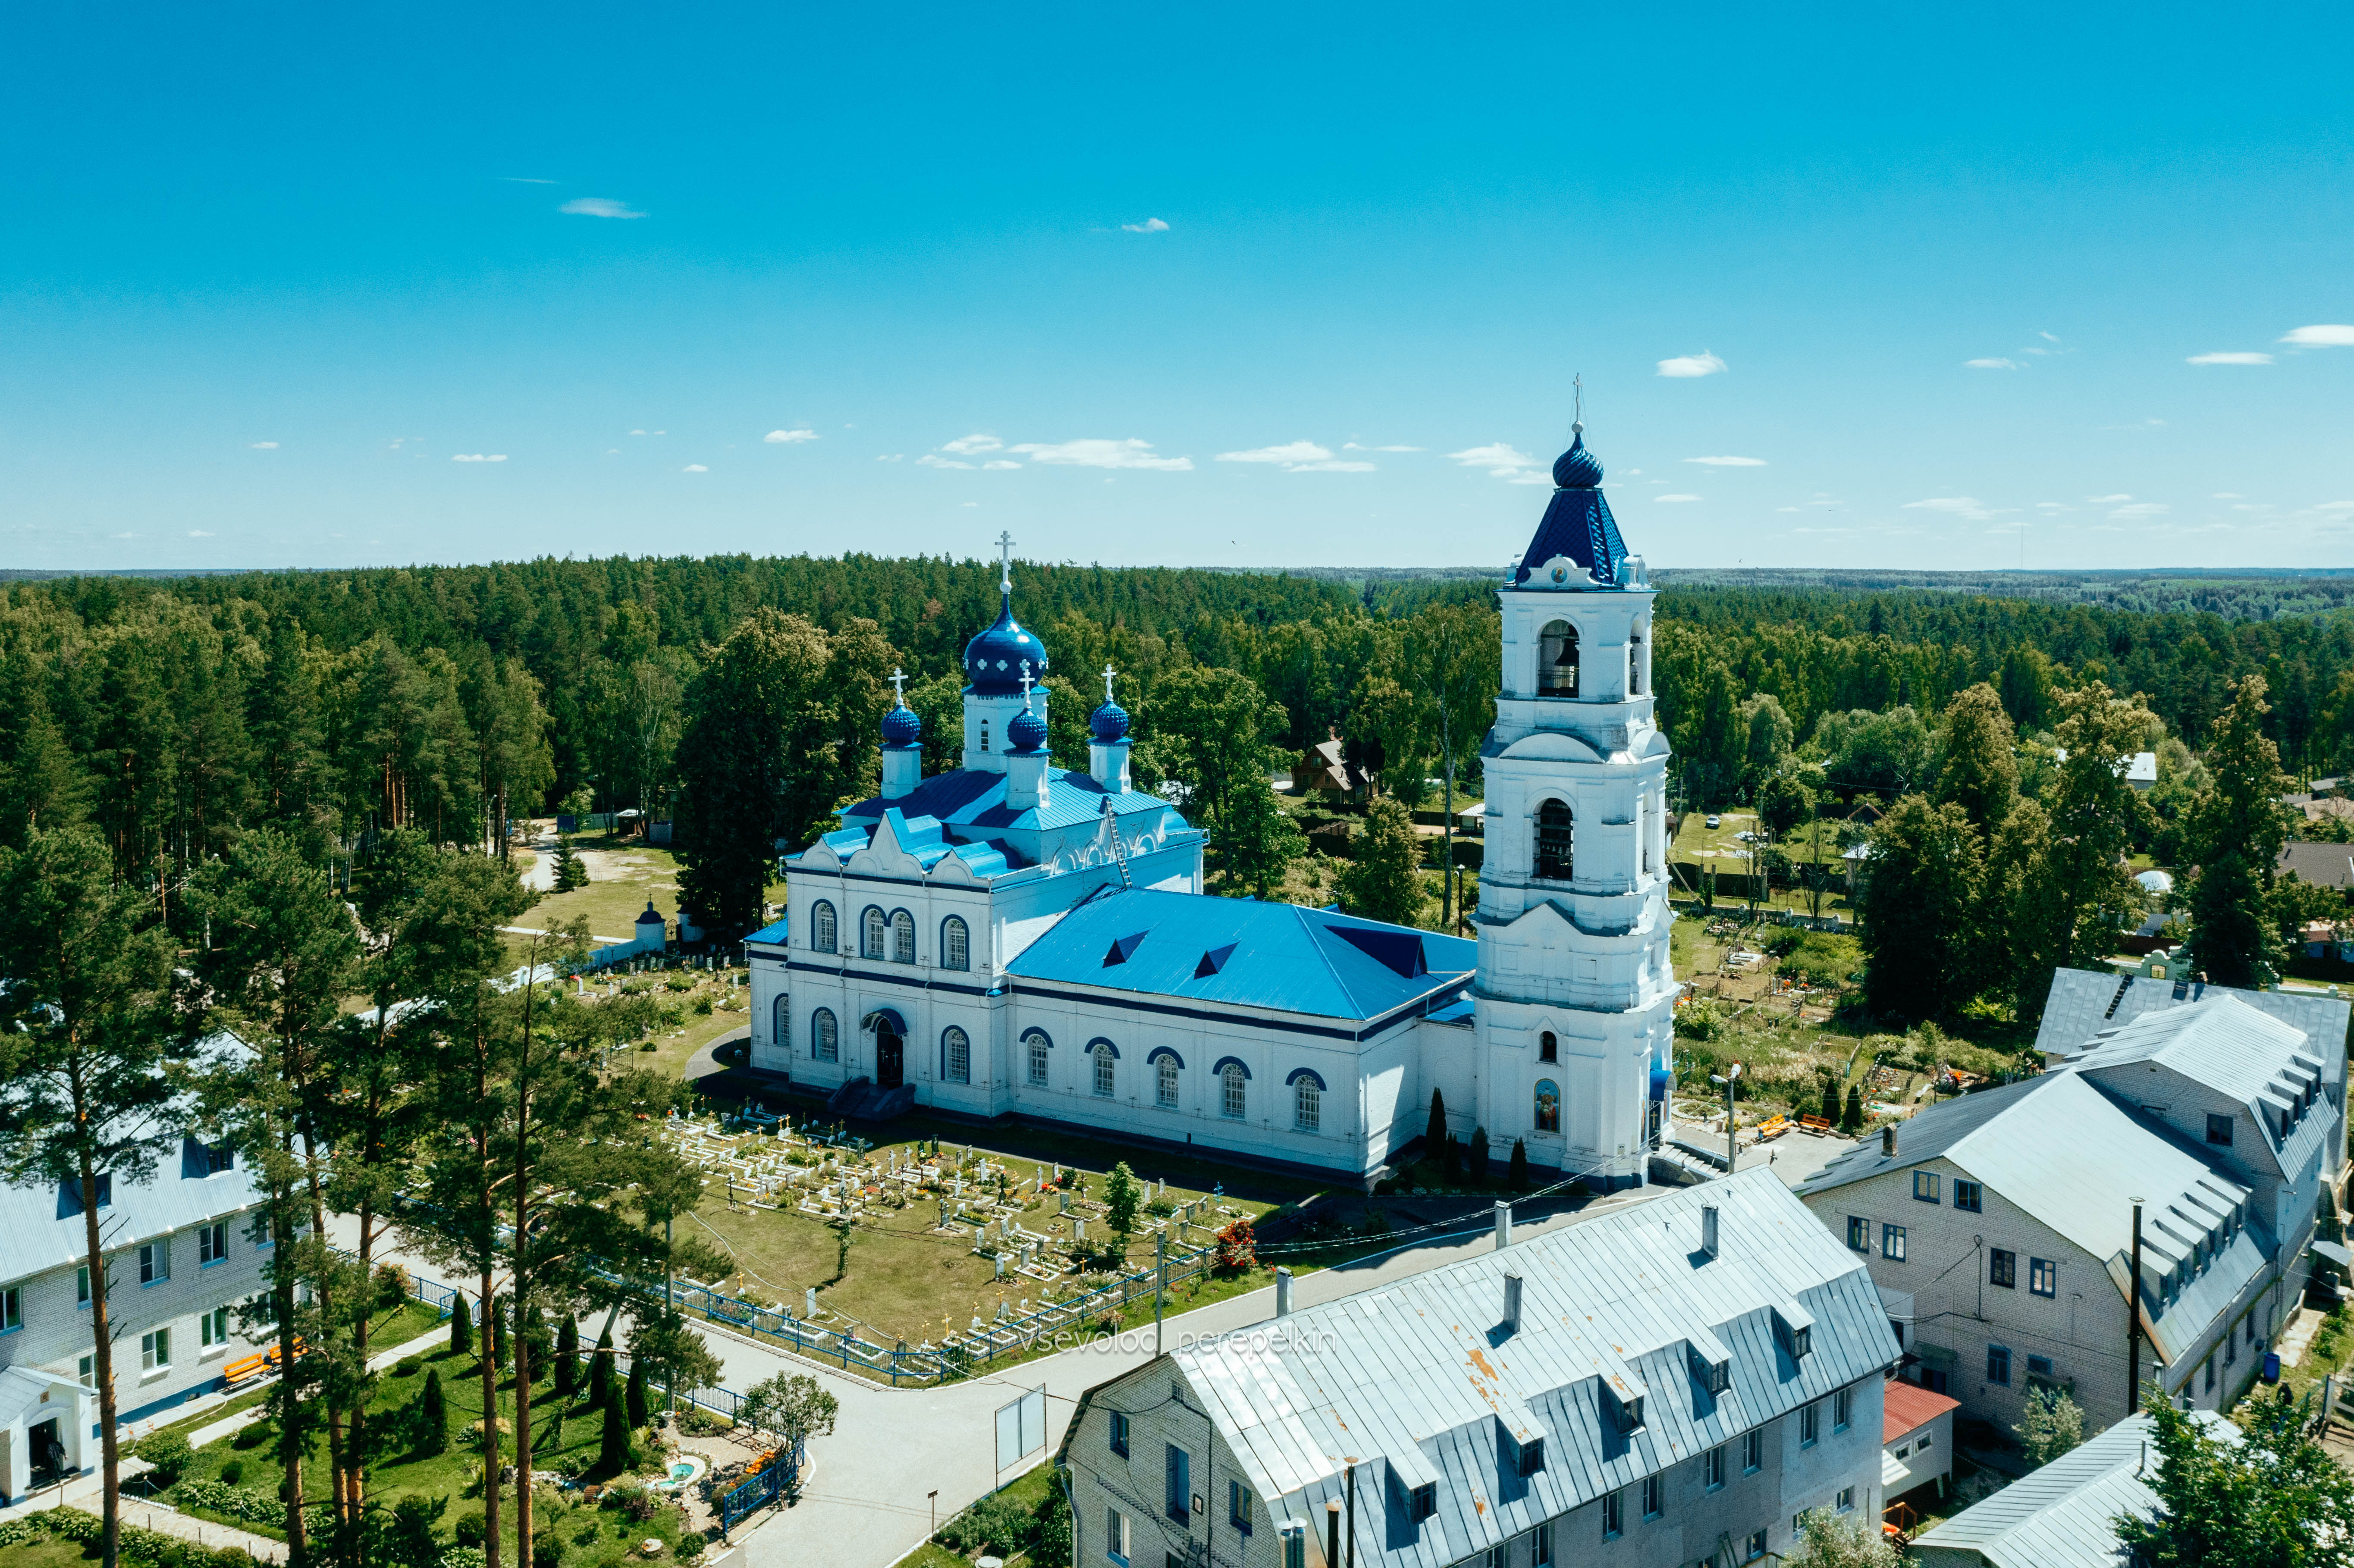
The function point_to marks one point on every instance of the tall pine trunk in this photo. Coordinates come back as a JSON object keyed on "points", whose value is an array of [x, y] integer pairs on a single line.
{"points": [[101, 1360], [290, 1425], [484, 1342]]}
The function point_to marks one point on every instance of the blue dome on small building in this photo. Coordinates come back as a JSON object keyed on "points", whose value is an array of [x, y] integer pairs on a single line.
{"points": [[903, 726], [993, 661], [1108, 723], [1577, 469], [1027, 731]]}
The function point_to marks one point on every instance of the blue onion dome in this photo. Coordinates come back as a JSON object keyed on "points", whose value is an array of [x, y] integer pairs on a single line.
{"points": [[1108, 723], [903, 726], [1577, 469], [1027, 731], [993, 661]]}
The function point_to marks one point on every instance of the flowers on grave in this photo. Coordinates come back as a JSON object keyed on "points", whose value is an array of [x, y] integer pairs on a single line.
{"points": [[1237, 1247]]}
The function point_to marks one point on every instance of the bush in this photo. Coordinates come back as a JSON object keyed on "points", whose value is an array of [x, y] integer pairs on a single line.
{"points": [[169, 1451], [239, 1504], [997, 1520], [702, 1005], [690, 1546], [545, 1552], [468, 1529], [430, 1429], [408, 1366], [1698, 1021], [463, 1557], [232, 1473]]}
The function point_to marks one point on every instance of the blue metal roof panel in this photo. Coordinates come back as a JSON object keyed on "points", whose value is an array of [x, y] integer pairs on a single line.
{"points": [[774, 934], [1286, 958]]}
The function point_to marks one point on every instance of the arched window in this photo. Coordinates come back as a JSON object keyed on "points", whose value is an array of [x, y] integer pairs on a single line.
{"points": [[1556, 842], [903, 937], [1165, 1082], [1548, 1048], [1557, 660], [956, 944], [1307, 1105], [1548, 1106], [872, 946], [1105, 1059], [984, 735], [821, 938], [1232, 1091], [956, 1056], [1038, 1047], [825, 1036], [784, 1024], [1635, 665]]}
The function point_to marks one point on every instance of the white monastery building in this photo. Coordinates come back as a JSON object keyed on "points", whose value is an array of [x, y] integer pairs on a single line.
{"points": [[1013, 938]]}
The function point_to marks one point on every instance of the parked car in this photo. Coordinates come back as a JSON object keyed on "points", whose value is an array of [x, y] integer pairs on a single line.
{"points": [[1715, 822]]}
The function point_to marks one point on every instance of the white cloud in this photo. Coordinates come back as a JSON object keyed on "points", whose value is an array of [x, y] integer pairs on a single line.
{"points": [[2139, 509], [1723, 462], [890, 457], [2321, 337], [264, 445], [1967, 506], [1687, 365], [1298, 457], [1499, 458], [1149, 225], [968, 503], [933, 460], [525, 180], [2108, 500], [1099, 454], [479, 457], [199, 534], [1786, 509], [2046, 336], [789, 437], [1529, 476], [1675, 498], [599, 206], [2053, 506], [1996, 364], [694, 468], [2229, 359], [995, 463], [2336, 506], [968, 445], [1354, 447], [637, 432]]}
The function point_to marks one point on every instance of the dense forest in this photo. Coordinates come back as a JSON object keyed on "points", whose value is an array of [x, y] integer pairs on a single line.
{"points": [[174, 713]]}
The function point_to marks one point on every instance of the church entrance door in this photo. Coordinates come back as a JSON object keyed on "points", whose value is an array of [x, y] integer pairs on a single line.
{"points": [[890, 1058]]}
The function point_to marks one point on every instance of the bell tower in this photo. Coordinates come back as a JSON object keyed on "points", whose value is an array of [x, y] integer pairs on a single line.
{"points": [[1575, 995]]}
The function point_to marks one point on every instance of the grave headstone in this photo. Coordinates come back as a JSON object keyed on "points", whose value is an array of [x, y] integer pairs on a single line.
{"points": [[809, 1302]]}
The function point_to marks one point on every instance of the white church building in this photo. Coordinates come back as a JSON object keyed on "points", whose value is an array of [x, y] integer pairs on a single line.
{"points": [[1009, 938]]}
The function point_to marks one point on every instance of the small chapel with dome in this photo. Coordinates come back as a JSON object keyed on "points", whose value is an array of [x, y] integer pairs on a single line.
{"points": [[1011, 938]]}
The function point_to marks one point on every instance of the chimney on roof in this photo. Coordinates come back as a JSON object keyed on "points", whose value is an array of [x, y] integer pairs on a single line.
{"points": [[1888, 1140], [1283, 1293], [1708, 1237], [1513, 1302]]}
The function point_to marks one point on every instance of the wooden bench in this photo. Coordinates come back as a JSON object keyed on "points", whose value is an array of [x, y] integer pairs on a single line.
{"points": [[1815, 1124], [246, 1367], [1773, 1128]]}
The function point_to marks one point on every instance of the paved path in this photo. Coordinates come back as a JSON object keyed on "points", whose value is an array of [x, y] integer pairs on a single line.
{"points": [[867, 1503]]}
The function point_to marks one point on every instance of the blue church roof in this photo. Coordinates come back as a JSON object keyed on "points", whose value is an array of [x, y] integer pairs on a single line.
{"points": [[773, 934], [993, 661], [964, 813], [1577, 524], [1282, 956]]}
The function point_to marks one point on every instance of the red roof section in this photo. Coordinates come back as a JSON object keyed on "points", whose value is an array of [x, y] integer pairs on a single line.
{"points": [[1909, 1407]]}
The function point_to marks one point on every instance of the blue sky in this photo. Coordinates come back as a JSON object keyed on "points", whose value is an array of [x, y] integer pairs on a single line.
{"points": [[1214, 285]]}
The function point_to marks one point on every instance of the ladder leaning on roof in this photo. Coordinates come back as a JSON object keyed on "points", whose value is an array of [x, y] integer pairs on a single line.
{"points": [[1119, 849]]}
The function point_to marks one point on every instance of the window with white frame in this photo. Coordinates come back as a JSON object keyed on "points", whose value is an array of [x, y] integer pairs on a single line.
{"points": [[782, 1023], [956, 944], [1843, 1406], [821, 934], [870, 945], [1307, 1105], [1754, 1547], [1613, 1516], [212, 1327], [1811, 1424], [1753, 1451], [212, 1243], [12, 1309], [1655, 1497], [1105, 1063], [956, 1055], [155, 1351], [1847, 1499], [1164, 1081], [825, 1035], [1231, 1079], [1116, 1541], [1039, 1049], [154, 1262], [903, 937], [1541, 1546], [1712, 1468]]}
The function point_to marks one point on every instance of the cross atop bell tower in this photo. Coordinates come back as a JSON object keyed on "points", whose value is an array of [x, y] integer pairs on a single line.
{"points": [[1005, 562]]}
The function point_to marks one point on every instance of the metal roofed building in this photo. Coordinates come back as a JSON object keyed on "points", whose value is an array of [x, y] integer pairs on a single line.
{"points": [[1676, 1380], [181, 1257], [1014, 937], [2062, 1515], [1998, 1226]]}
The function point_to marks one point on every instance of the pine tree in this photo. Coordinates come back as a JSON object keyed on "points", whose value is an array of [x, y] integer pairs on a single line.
{"points": [[613, 1442], [568, 1357], [1434, 1136], [601, 1372], [462, 1327], [1852, 1119], [1519, 1174], [636, 1393], [433, 1415], [2233, 833], [498, 1333], [1831, 1101], [1478, 1156]]}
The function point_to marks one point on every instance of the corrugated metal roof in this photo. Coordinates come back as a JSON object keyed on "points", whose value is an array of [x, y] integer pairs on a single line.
{"points": [[2065, 1514], [974, 796], [1284, 956], [774, 934], [2082, 1004], [41, 1228], [2265, 1063], [1614, 1303]]}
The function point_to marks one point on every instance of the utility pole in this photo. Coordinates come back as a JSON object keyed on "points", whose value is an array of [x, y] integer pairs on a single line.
{"points": [[1160, 1282], [2132, 1321], [1351, 1559], [1731, 1138], [670, 1299]]}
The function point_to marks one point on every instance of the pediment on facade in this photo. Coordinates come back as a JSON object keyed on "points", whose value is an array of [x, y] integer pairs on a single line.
{"points": [[819, 856], [1654, 745], [883, 856], [952, 868], [1550, 745]]}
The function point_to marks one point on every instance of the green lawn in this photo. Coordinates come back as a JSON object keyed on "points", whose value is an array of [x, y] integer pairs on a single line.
{"points": [[587, 1535]]}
